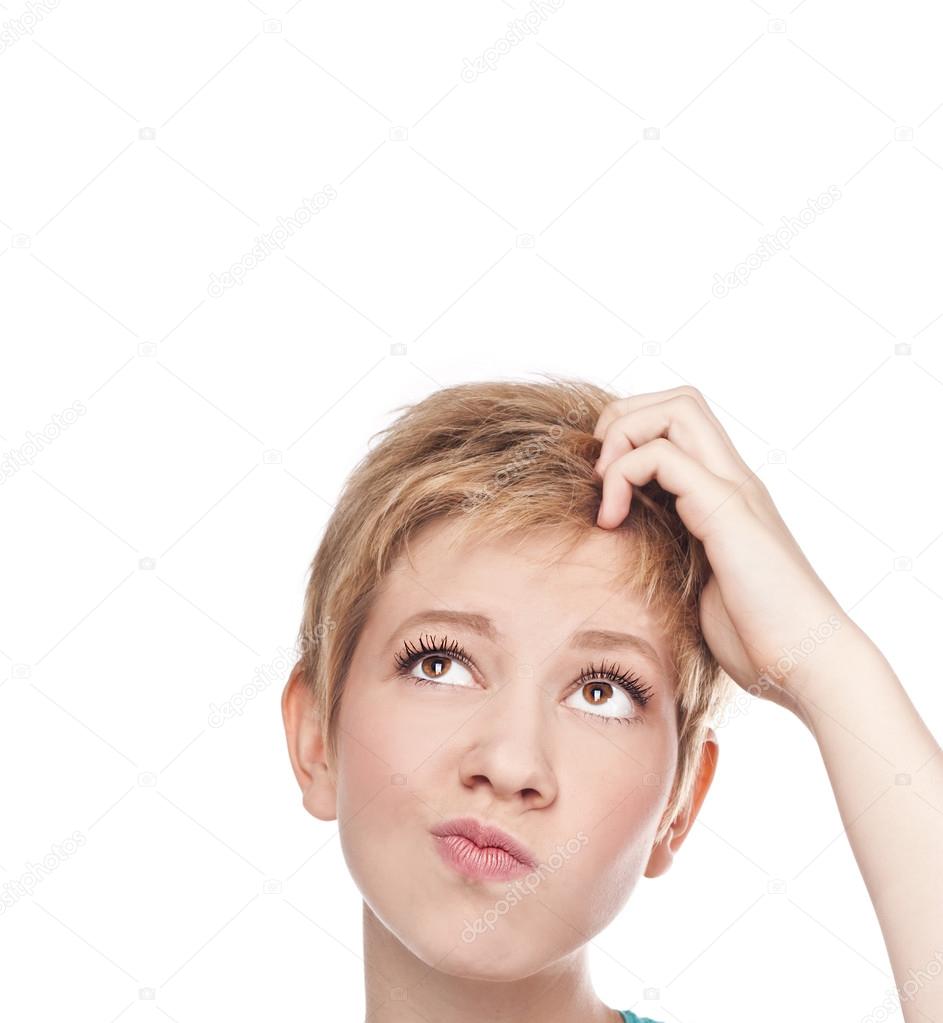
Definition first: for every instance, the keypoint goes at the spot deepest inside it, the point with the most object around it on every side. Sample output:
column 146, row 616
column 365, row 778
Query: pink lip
column 481, row 851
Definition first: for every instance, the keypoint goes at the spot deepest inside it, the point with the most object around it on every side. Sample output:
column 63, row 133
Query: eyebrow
column 586, row 639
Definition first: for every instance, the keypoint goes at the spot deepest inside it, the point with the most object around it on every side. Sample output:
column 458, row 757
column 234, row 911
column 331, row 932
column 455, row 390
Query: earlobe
column 306, row 748
column 663, row 853
column 661, row 857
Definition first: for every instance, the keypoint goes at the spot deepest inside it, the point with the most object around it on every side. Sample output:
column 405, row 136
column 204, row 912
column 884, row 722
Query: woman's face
column 578, row 770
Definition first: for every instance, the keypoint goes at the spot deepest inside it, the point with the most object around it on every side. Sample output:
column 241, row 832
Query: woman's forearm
column 886, row 770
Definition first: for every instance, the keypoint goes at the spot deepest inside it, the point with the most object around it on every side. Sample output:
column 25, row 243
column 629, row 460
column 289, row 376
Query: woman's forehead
column 604, row 552
column 511, row 586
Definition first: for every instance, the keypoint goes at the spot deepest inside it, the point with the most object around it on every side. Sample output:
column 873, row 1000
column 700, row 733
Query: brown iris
column 595, row 685
column 436, row 660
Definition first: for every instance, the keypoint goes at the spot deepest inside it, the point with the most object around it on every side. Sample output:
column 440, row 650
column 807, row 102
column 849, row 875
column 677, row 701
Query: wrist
column 828, row 671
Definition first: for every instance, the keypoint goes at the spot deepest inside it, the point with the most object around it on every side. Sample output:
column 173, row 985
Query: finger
column 700, row 493
column 621, row 406
column 681, row 420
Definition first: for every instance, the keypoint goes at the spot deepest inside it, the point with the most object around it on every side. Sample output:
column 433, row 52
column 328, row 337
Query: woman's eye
column 439, row 668
column 443, row 663
column 602, row 699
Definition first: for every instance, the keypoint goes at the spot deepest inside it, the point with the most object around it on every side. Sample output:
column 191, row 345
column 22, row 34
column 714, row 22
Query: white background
column 566, row 210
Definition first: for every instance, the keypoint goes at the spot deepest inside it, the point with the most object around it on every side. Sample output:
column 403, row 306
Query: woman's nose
column 509, row 744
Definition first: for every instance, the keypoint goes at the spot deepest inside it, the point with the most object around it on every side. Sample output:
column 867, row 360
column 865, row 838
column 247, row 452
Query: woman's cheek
column 387, row 737
column 373, row 773
column 411, row 723
column 371, row 722
column 364, row 766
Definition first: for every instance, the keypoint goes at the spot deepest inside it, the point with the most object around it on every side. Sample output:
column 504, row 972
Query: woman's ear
column 306, row 748
column 663, row 853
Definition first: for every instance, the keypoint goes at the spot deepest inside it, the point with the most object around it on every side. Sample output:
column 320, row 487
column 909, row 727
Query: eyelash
column 407, row 658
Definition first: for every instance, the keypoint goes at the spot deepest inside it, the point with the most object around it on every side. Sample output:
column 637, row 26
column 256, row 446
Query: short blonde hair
column 503, row 458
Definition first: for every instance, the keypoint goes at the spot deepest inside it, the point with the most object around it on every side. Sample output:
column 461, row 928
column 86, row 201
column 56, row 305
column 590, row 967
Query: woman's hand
column 762, row 601
column 764, row 612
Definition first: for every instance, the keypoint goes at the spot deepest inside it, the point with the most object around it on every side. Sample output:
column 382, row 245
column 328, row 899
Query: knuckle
column 692, row 393
column 689, row 402
column 610, row 413
column 620, row 406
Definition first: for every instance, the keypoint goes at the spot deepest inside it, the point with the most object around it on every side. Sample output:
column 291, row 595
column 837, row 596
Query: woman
column 528, row 605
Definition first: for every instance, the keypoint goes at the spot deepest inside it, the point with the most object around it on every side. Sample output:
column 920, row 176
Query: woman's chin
column 502, row 954
column 483, row 960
